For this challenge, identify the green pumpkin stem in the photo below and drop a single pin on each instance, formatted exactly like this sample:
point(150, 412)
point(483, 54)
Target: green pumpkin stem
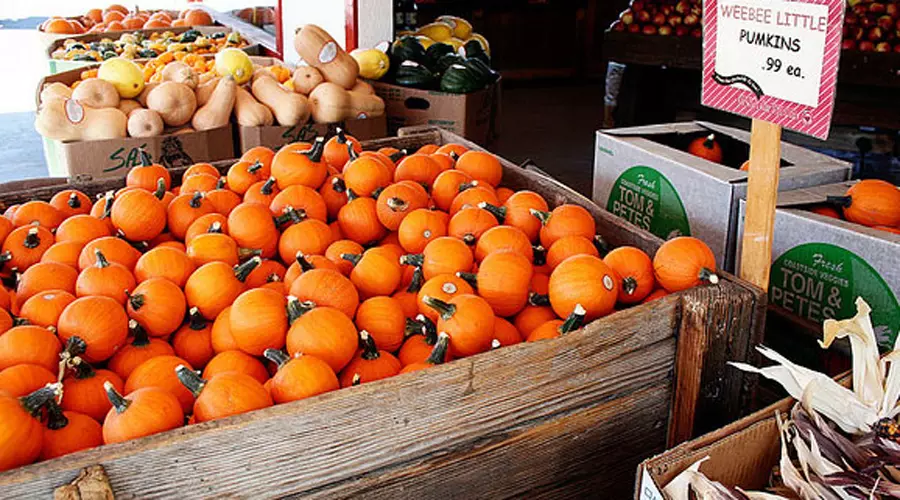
point(397, 204)
point(629, 285)
point(601, 245)
point(242, 271)
point(376, 193)
point(256, 167)
point(38, 399)
point(454, 155)
point(338, 185)
point(221, 183)
point(303, 262)
point(108, 200)
point(498, 212)
point(290, 215)
point(395, 157)
point(538, 299)
point(82, 368)
point(140, 337)
point(75, 346)
point(839, 201)
point(315, 152)
point(412, 259)
point(196, 200)
point(709, 276)
point(540, 255)
point(74, 201)
point(117, 400)
point(4, 258)
point(352, 258)
point(467, 185)
point(32, 240)
point(351, 152)
point(417, 280)
point(341, 135)
point(277, 356)
point(215, 227)
point(542, 216)
point(160, 189)
point(710, 141)
point(268, 187)
point(444, 309)
point(190, 379)
point(196, 320)
point(295, 308)
point(470, 278)
point(574, 321)
point(439, 353)
point(101, 259)
point(137, 301)
point(351, 195)
point(56, 420)
point(21, 321)
point(367, 344)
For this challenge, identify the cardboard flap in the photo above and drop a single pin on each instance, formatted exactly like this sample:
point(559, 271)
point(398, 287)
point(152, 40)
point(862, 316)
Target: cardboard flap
point(811, 195)
point(663, 128)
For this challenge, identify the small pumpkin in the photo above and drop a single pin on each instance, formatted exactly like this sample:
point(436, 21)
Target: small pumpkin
point(201, 183)
point(252, 227)
point(24, 247)
point(334, 193)
point(262, 192)
point(158, 305)
point(587, 281)
point(44, 308)
point(40, 213)
point(532, 317)
point(159, 372)
point(323, 332)
point(518, 212)
point(244, 174)
point(338, 248)
point(145, 175)
point(408, 297)
point(224, 395)
point(166, 263)
point(139, 215)
point(28, 344)
point(370, 364)
point(306, 168)
point(82, 229)
point(336, 153)
point(568, 246)
point(367, 176)
point(305, 263)
point(260, 154)
point(68, 431)
point(505, 333)
point(438, 355)
point(359, 222)
point(184, 210)
point(299, 377)
point(452, 149)
point(326, 287)
point(105, 278)
point(420, 168)
point(447, 185)
point(420, 227)
point(707, 148)
point(139, 349)
point(223, 199)
point(215, 286)
point(473, 195)
point(443, 287)
point(20, 380)
point(503, 239)
point(310, 237)
point(114, 249)
point(565, 220)
point(205, 224)
point(684, 262)
point(468, 320)
point(45, 276)
point(375, 272)
point(555, 328)
point(384, 320)
point(142, 413)
point(259, 321)
point(444, 255)
point(236, 361)
point(220, 336)
point(304, 199)
point(83, 390)
point(482, 166)
point(470, 223)
point(268, 271)
point(503, 279)
point(66, 252)
point(635, 269)
point(99, 321)
point(21, 434)
point(396, 201)
point(871, 202)
point(200, 168)
point(71, 202)
point(216, 247)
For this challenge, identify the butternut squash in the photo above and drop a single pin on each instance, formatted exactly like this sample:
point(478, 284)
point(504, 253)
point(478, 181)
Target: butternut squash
point(330, 103)
point(144, 123)
point(175, 103)
point(68, 120)
point(306, 78)
point(216, 112)
point(128, 105)
point(55, 90)
point(148, 87)
point(179, 72)
point(289, 108)
point(363, 87)
point(319, 50)
point(96, 93)
point(250, 112)
point(204, 90)
point(183, 130)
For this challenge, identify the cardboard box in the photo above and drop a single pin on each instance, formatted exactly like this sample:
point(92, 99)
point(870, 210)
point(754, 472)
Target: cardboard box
point(474, 116)
point(275, 136)
point(821, 265)
point(645, 175)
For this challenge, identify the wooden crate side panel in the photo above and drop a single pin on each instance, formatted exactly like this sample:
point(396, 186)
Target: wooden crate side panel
point(331, 439)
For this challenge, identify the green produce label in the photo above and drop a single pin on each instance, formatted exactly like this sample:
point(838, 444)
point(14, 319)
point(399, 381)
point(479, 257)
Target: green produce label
point(644, 197)
point(819, 281)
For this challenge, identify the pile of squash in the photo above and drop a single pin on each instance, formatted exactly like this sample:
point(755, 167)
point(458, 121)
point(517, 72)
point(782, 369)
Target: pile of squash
point(122, 101)
point(118, 18)
point(140, 45)
point(296, 273)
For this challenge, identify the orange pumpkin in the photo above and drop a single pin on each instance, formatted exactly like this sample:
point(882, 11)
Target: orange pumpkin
point(503, 239)
point(66, 252)
point(452, 149)
point(259, 321)
point(396, 201)
point(447, 185)
point(338, 248)
point(305, 200)
point(68, 431)
point(309, 237)
point(200, 168)
point(164, 262)
point(220, 336)
point(44, 308)
point(99, 321)
point(139, 215)
point(214, 286)
point(222, 199)
point(244, 174)
point(334, 193)
point(300, 377)
point(236, 361)
point(268, 271)
point(159, 372)
point(216, 247)
point(260, 154)
point(555, 328)
point(375, 272)
point(199, 183)
point(20, 380)
point(45, 276)
point(470, 223)
point(635, 270)
point(532, 317)
point(262, 192)
point(655, 295)
point(193, 341)
point(419, 168)
point(81, 229)
point(24, 247)
point(505, 333)
point(359, 222)
point(337, 150)
point(158, 305)
point(38, 213)
point(871, 202)
point(71, 202)
point(473, 195)
point(28, 344)
point(826, 210)
point(83, 391)
point(306, 168)
point(252, 227)
point(142, 413)
point(443, 287)
point(323, 332)
point(146, 175)
point(139, 349)
point(326, 287)
point(420, 227)
point(482, 166)
point(467, 319)
point(584, 280)
point(683, 263)
point(568, 246)
point(444, 255)
point(114, 249)
point(370, 364)
point(104, 278)
point(503, 279)
point(707, 148)
point(206, 224)
point(184, 210)
point(437, 356)
point(518, 212)
point(384, 320)
point(565, 220)
point(21, 435)
point(366, 176)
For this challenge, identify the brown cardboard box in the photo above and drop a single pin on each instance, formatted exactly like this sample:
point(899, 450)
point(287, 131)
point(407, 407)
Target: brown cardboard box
point(474, 116)
point(275, 136)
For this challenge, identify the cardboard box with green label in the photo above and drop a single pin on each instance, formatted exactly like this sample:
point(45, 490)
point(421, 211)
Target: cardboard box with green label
point(645, 175)
point(820, 265)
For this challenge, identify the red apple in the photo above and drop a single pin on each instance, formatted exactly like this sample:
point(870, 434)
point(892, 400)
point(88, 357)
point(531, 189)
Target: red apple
point(649, 29)
point(883, 47)
point(875, 34)
point(897, 48)
point(667, 9)
point(659, 19)
point(682, 7)
point(860, 10)
point(848, 44)
point(637, 4)
point(858, 33)
point(666, 30)
point(898, 25)
point(674, 20)
point(691, 20)
point(697, 10)
point(851, 19)
point(877, 8)
point(643, 16)
point(697, 33)
point(627, 16)
point(866, 22)
point(634, 28)
point(617, 26)
point(866, 46)
point(682, 30)
point(892, 9)
point(886, 23)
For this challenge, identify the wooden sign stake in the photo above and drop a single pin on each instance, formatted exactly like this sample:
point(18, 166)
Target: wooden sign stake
point(762, 194)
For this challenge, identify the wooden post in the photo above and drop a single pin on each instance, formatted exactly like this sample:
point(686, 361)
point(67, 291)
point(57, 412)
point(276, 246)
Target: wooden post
point(762, 194)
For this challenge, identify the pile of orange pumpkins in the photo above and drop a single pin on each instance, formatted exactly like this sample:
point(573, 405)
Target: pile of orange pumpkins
point(299, 272)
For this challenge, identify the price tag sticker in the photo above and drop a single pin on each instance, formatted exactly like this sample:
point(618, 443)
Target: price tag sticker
point(774, 60)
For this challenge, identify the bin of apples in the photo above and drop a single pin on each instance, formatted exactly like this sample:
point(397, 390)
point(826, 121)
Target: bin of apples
point(662, 17)
point(872, 26)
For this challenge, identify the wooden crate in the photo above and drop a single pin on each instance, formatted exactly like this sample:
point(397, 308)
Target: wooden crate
point(567, 417)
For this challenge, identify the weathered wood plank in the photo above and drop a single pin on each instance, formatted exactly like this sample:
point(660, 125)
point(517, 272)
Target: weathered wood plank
point(310, 444)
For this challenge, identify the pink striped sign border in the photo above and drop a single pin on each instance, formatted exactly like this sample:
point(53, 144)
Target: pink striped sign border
point(813, 121)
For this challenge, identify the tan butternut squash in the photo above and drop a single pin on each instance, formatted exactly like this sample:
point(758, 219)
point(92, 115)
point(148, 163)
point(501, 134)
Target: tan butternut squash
point(128, 105)
point(204, 90)
point(55, 90)
point(319, 50)
point(363, 87)
point(331, 103)
point(289, 108)
point(179, 72)
point(68, 120)
point(216, 112)
point(96, 93)
point(148, 87)
point(144, 123)
point(175, 103)
point(306, 78)
point(249, 112)
point(205, 77)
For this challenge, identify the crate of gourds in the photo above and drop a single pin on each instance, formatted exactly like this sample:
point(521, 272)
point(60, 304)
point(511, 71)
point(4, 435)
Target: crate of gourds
point(402, 317)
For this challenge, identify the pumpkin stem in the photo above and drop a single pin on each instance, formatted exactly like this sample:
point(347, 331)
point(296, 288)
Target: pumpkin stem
point(4, 258)
point(395, 157)
point(467, 185)
point(220, 184)
point(197, 321)
point(710, 141)
point(56, 420)
point(101, 259)
point(470, 278)
point(413, 327)
point(118, 402)
point(353, 258)
point(273, 278)
point(397, 204)
point(241, 271)
point(412, 259)
point(417, 279)
point(266, 188)
point(75, 346)
point(315, 153)
point(108, 199)
point(137, 245)
point(439, 353)
point(38, 399)
point(140, 335)
point(367, 344)
point(256, 167)
point(710, 276)
point(20, 321)
point(495, 344)
point(341, 135)
point(338, 185)
point(538, 299)
point(12, 279)
point(290, 214)
point(574, 321)
point(600, 244)
point(82, 368)
point(190, 379)
point(840, 201)
point(351, 195)
point(351, 153)
point(629, 285)
point(303, 262)
point(498, 212)
point(295, 308)
point(356, 379)
point(445, 309)
point(540, 255)
point(454, 155)
point(160, 189)
point(146, 161)
point(542, 216)
point(74, 201)
point(277, 356)
point(32, 240)
point(196, 199)
point(215, 227)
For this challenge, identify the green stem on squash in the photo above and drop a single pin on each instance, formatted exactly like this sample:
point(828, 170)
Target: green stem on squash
point(116, 400)
point(268, 187)
point(470, 278)
point(160, 189)
point(454, 155)
point(352, 258)
point(32, 240)
point(290, 214)
point(196, 200)
point(498, 212)
point(20, 321)
point(351, 195)
point(395, 157)
point(417, 280)
point(709, 276)
point(538, 299)
point(190, 379)
point(444, 309)
point(839, 201)
point(256, 167)
point(56, 420)
point(341, 135)
point(277, 356)
point(469, 239)
point(574, 321)
point(140, 337)
point(303, 262)
point(542, 216)
point(137, 301)
point(4, 258)
point(215, 227)
point(295, 308)
point(242, 271)
point(397, 204)
point(101, 259)
point(629, 285)
point(600, 244)
point(540, 255)
point(75, 346)
point(439, 353)
point(74, 201)
point(196, 320)
point(710, 141)
point(338, 185)
point(369, 349)
point(412, 259)
point(108, 200)
point(467, 185)
point(221, 183)
point(38, 399)
point(315, 152)
point(376, 193)
point(243, 253)
point(82, 368)
point(351, 153)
